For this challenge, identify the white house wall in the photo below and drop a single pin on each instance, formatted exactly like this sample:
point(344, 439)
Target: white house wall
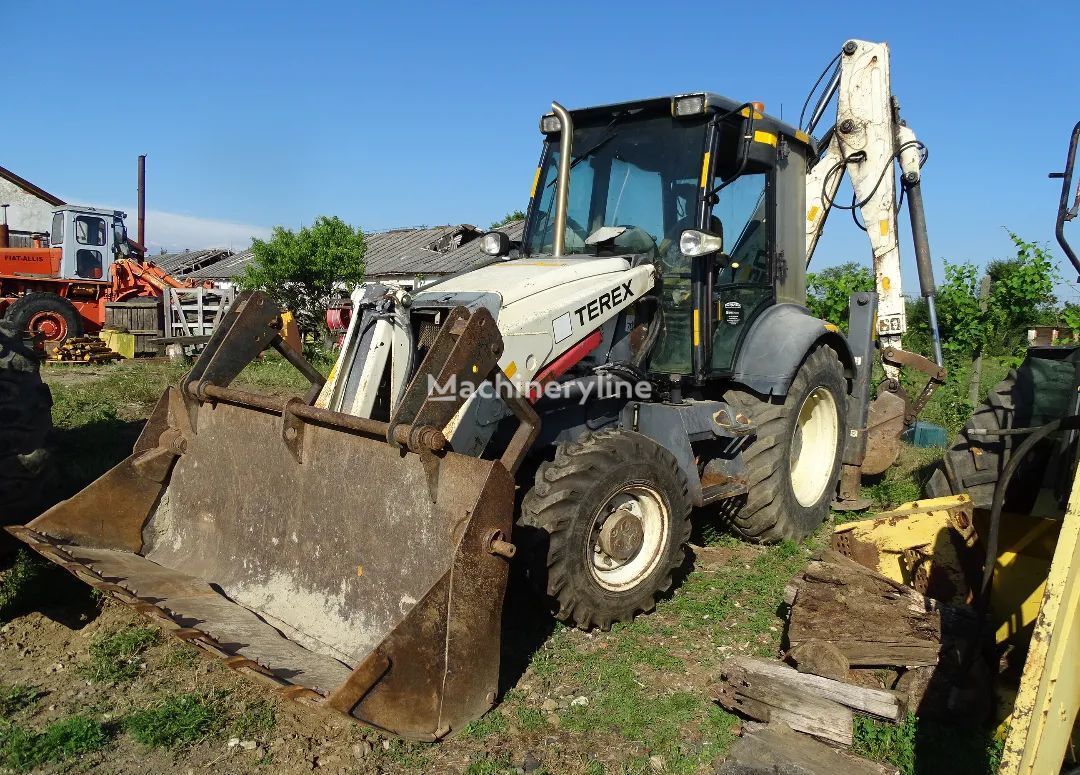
point(27, 212)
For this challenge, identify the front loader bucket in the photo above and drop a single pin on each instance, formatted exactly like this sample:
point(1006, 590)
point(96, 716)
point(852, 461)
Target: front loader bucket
point(350, 572)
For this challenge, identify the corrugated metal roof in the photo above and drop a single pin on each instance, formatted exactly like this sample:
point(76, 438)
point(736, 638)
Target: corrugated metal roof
point(410, 252)
point(227, 268)
point(469, 254)
point(180, 264)
point(397, 252)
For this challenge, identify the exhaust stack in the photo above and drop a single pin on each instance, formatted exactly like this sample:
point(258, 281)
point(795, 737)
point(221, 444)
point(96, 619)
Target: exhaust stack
point(142, 202)
point(562, 186)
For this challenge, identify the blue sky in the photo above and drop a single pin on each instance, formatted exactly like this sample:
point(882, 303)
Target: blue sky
point(397, 114)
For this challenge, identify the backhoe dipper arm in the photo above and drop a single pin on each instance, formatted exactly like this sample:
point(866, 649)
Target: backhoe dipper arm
point(867, 138)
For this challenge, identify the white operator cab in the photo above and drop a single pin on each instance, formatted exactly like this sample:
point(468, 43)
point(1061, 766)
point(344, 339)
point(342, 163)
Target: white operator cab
point(89, 240)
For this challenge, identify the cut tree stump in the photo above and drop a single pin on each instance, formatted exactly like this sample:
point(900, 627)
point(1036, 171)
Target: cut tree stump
point(870, 619)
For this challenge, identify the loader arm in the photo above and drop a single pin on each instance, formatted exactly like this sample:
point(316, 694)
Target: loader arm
point(865, 141)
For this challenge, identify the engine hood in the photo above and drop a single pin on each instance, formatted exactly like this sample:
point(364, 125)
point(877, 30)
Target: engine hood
point(521, 278)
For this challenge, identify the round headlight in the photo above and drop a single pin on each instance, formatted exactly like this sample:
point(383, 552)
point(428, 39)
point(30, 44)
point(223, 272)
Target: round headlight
point(495, 243)
point(693, 242)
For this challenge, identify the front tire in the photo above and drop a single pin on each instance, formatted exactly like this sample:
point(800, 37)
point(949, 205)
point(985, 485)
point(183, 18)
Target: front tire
point(25, 423)
point(793, 463)
point(53, 317)
point(610, 516)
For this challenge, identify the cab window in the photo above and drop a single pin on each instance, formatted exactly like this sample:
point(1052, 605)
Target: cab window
point(89, 230)
point(743, 287)
point(88, 264)
point(56, 235)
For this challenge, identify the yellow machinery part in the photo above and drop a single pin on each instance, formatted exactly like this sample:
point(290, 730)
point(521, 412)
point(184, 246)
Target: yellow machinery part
point(119, 342)
point(1046, 704)
point(913, 544)
point(932, 545)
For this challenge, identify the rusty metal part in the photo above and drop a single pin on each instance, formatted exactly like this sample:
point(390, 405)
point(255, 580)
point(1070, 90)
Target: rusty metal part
point(850, 496)
point(465, 350)
point(232, 534)
point(937, 375)
point(621, 535)
point(498, 545)
point(736, 424)
point(299, 546)
point(885, 422)
point(247, 328)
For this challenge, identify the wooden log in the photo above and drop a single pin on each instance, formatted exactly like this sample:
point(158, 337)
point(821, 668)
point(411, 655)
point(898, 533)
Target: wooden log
point(872, 620)
point(877, 702)
point(754, 695)
point(775, 749)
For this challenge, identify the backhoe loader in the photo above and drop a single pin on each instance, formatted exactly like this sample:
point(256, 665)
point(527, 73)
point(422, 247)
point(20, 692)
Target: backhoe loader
point(643, 351)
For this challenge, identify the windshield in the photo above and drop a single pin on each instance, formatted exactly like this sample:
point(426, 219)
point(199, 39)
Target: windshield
point(632, 172)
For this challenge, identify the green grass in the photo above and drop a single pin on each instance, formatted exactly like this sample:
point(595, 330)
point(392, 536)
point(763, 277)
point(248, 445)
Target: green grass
point(916, 747)
point(23, 750)
point(122, 391)
point(256, 718)
point(489, 764)
point(177, 720)
point(736, 604)
point(116, 657)
point(16, 697)
point(17, 584)
point(492, 722)
point(181, 655)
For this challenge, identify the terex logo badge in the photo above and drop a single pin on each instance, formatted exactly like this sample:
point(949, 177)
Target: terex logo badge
point(603, 303)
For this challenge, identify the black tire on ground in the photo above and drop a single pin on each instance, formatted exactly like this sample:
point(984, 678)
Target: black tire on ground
point(25, 422)
point(772, 510)
point(32, 310)
point(598, 492)
point(973, 464)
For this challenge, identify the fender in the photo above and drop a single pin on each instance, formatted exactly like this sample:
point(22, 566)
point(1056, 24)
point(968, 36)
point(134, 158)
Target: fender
point(778, 342)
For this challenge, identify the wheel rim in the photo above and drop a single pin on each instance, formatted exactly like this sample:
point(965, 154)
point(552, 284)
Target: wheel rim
point(51, 325)
point(813, 446)
point(630, 535)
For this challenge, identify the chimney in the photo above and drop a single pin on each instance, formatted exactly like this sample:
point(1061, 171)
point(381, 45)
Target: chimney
point(142, 200)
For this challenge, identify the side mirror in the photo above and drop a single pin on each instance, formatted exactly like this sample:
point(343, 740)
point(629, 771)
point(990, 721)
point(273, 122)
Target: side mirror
point(495, 243)
point(695, 243)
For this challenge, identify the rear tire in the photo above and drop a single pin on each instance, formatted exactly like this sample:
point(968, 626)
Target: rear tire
point(976, 462)
point(25, 422)
point(610, 517)
point(48, 314)
point(793, 463)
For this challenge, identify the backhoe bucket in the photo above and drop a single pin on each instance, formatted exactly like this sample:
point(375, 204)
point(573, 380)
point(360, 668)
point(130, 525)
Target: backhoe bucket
point(352, 573)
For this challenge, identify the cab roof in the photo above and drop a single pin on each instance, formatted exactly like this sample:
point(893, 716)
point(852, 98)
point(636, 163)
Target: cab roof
point(90, 211)
point(713, 103)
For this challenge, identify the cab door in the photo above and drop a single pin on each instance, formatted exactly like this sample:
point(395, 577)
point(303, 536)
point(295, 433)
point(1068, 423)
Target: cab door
point(744, 287)
point(88, 250)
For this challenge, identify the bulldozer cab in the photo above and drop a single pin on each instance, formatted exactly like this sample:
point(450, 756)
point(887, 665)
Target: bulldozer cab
point(643, 173)
point(90, 239)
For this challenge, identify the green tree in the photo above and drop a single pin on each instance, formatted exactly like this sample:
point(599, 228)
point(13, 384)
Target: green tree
point(1021, 295)
point(510, 217)
point(828, 291)
point(303, 270)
